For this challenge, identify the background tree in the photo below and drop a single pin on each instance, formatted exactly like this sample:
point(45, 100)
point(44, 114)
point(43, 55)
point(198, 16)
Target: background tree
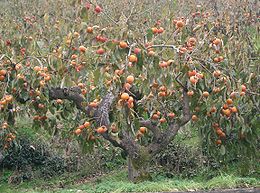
point(134, 76)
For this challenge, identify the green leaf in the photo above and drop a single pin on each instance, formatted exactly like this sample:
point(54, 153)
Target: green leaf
point(96, 76)
point(140, 61)
point(84, 14)
point(52, 110)
point(149, 34)
point(222, 150)
point(40, 44)
point(86, 147)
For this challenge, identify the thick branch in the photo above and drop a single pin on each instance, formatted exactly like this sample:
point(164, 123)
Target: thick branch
point(164, 46)
point(101, 117)
point(164, 139)
point(101, 114)
point(186, 108)
point(72, 94)
point(167, 136)
point(112, 140)
point(131, 147)
point(185, 104)
point(152, 127)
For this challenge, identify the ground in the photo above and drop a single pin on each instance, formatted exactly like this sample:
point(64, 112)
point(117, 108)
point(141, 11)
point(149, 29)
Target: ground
point(117, 182)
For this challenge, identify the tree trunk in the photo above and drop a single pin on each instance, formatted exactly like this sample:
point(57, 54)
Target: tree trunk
point(138, 167)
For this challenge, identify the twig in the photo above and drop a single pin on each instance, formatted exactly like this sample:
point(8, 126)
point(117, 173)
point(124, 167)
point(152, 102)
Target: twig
point(179, 82)
point(164, 46)
point(104, 12)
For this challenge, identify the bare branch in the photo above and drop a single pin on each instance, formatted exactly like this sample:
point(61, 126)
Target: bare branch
point(101, 117)
point(114, 142)
point(164, 46)
point(101, 114)
point(152, 127)
point(72, 94)
point(178, 81)
point(164, 139)
point(129, 144)
point(167, 136)
point(186, 109)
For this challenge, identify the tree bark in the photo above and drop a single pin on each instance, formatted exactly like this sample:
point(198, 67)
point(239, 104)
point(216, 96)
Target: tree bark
point(138, 166)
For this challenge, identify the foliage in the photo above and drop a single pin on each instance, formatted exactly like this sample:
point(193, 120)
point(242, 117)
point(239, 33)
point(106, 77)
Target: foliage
point(185, 157)
point(32, 158)
point(179, 159)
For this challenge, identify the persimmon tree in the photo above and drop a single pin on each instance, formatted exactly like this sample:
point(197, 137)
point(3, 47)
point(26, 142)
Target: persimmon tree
point(132, 73)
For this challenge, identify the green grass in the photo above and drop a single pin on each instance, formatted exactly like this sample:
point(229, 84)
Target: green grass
point(117, 182)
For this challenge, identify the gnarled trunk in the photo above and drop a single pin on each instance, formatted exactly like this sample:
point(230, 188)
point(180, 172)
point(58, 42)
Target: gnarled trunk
point(138, 166)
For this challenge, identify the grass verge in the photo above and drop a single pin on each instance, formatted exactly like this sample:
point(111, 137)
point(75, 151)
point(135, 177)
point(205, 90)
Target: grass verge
point(117, 182)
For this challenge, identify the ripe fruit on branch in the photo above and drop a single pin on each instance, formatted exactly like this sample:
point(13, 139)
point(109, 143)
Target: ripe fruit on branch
point(171, 115)
point(90, 30)
point(217, 41)
point(101, 129)
point(127, 86)
point(41, 106)
point(130, 104)
point(154, 30)
point(205, 94)
point(192, 73)
point(218, 142)
point(190, 93)
point(219, 131)
point(192, 41)
point(216, 90)
point(229, 101)
point(162, 94)
point(193, 79)
point(155, 116)
point(3, 72)
point(162, 120)
point(132, 58)
point(82, 49)
point(86, 124)
point(123, 45)
point(216, 73)
point(137, 50)
point(160, 30)
point(194, 118)
point(8, 98)
point(143, 130)
point(78, 131)
point(125, 96)
point(226, 112)
point(216, 60)
point(37, 68)
point(98, 9)
point(100, 51)
point(59, 101)
point(130, 79)
point(163, 64)
point(233, 109)
point(243, 87)
point(213, 109)
point(179, 24)
point(81, 127)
